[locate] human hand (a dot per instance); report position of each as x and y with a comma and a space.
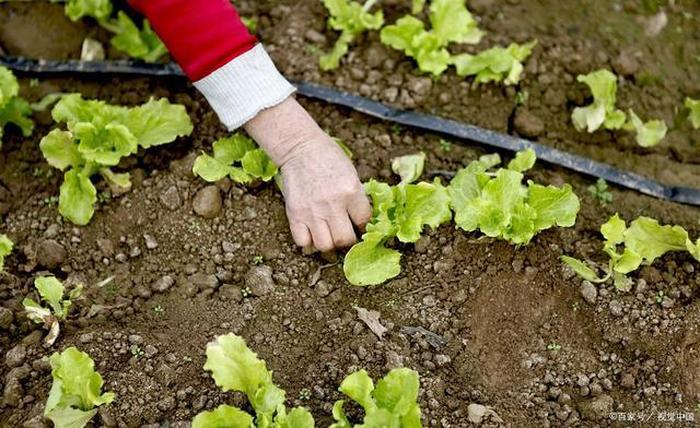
323, 194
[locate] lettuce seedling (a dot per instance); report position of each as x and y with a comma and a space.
76, 390
392, 403
237, 157
13, 109
401, 212
694, 107
644, 241
602, 112
450, 22
649, 133
6, 246
142, 44
97, 137
496, 64
236, 368
351, 19
500, 206
51, 291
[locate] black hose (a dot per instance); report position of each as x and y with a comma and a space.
461, 131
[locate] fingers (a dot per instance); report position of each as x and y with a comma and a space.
360, 210
301, 234
321, 236
341, 231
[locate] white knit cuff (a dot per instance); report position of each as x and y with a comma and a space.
244, 86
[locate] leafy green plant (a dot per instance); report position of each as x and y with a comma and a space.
399, 212
496, 64
644, 241
599, 190
602, 112
392, 403
97, 137
351, 19
51, 291
500, 206
236, 368
237, 157
694, 107
142, 44
451, 22
6, 246
76, 390
13, 109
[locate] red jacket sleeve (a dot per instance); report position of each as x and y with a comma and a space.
201, 35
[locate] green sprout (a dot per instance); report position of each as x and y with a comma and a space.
554, 347
159, 310
258, 259
246, 292
137, 352
445, 145
304, 394
600, 191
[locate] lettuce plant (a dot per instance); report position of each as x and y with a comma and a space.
351, 19
76, 390
237, 157
51, 291
450, 22
6, 246
236, 368
602, 112
694, 107
13, 109
644, 241
496, 64
142, 44
400, 212
498, 204
392, 403
97, 137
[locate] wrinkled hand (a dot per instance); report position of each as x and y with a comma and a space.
323, 194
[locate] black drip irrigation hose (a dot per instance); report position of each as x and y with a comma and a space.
447, 127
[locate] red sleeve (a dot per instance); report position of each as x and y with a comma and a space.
201, 35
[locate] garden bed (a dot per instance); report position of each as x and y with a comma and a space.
521, 334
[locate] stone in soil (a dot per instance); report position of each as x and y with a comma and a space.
50, 254
171, 198
597, 408
527, 124
207, 202
259, 280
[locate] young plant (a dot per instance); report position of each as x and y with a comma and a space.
694, 107
602, 112
237, 157
6, 246
141, 44
13, 109
648, 133
450, 22
392, 403
600, 191
97, 137
644, 241
76, 390
351, 19
51, 291
236, 368
497, 64
399, 212
500, 206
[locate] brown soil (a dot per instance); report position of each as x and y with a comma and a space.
501, 309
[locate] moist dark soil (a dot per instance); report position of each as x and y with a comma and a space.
520, 333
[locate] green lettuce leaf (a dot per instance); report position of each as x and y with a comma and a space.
97, 9
582, 269
77, 197
417, 6
104, 146
523, 161
13, 109
76, 389
9, 88
408, 167
59, 149
235, 150
6, 246
423, 204
223, 416
602, 112
351, 19
257, 164
158, 122
51, 291
452, 22
694, 107
496, 64
210, 168
649, 133
141, 44
369, 263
